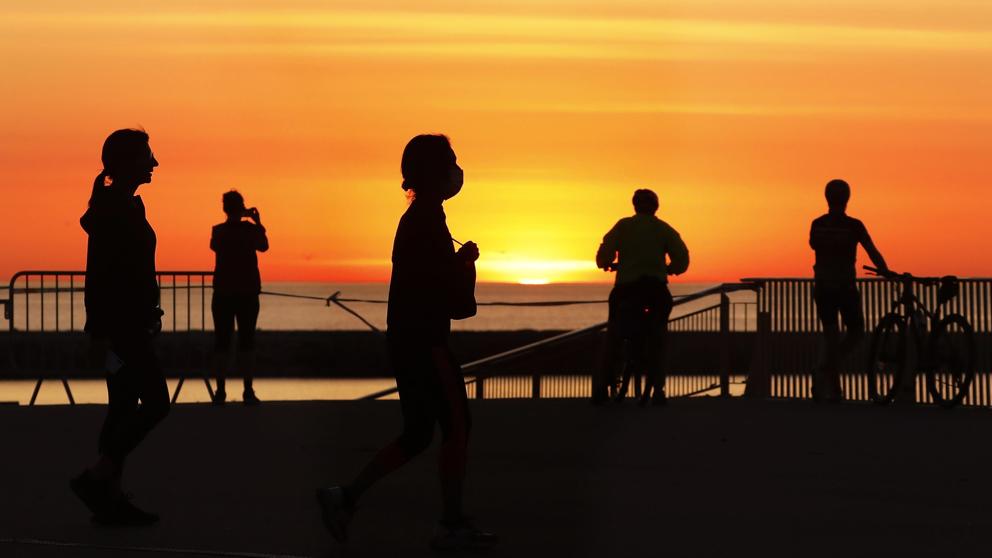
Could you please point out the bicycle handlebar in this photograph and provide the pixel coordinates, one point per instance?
(889, 274)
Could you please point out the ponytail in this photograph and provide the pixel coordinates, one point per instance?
(98, 186)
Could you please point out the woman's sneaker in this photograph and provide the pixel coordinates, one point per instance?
(94, 493)
(123, 513)
(461, 535)
(336, 510)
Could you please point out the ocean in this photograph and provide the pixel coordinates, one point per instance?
(189, 308)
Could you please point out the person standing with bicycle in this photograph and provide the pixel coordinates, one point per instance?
(834, 238)
(646, 251)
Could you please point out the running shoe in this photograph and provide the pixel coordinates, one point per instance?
(219, 398)
(123, 513)
(94, 493)
(461, 535)
(250, 398)
(336, 510)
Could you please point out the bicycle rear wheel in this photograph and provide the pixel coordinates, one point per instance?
(953, 353)
(887, 358)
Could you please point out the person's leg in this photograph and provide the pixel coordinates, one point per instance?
(657, 347)
(827, 311)
(854, 324)
(99, 485)
(223, 314)
(126, 425)
(455, 530)
(147, 380)
(609, 355)
(419, 403)
(247, 318)
(456, 422)
(122, 404)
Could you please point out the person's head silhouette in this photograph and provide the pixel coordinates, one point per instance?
(430, 169)
(234, 205)
(837, 193)
(128, 162)
(645, 201)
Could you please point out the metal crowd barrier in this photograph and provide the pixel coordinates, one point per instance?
(44, 303)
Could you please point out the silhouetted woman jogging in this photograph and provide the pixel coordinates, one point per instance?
(430, 285)
(122, 315)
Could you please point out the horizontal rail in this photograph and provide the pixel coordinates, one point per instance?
(582, 332)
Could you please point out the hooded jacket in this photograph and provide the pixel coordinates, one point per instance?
(122, 293)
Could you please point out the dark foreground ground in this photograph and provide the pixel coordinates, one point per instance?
(702, 477)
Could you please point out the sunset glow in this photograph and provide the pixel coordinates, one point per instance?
(736, 113)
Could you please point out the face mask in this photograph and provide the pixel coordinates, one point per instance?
(457, 179)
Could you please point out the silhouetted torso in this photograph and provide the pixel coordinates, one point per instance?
(121, 288)
(834, 238)
(423, 275)
(641, 242)
(236, 264)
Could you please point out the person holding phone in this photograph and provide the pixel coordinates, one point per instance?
(237, 284)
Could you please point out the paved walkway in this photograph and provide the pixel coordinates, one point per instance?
(702, 477)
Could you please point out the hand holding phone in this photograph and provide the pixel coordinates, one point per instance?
(252, 213)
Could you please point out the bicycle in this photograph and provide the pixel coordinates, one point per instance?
(634, 324)
(944, 344)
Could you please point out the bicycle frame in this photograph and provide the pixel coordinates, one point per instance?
(921, 322)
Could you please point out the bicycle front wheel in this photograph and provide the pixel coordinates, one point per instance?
(887, 358)
(953, 354)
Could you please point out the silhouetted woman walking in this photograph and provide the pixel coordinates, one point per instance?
(122, 314)
(430, 285)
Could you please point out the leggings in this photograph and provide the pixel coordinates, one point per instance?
(432, 391)
(139, 379)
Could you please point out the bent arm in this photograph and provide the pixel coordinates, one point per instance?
(608, 249)
(873, 253)
(678, 253)
(261, 241)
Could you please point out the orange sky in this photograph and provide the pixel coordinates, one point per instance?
(736, 113)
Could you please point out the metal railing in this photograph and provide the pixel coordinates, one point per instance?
(789, 335)
(52, 302)
(539, 384)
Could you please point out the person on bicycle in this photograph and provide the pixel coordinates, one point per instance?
(646, 251)
(834, 238)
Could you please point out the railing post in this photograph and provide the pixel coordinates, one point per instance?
(758, 378)
(480, 393)
(535, 386)
(725, 341)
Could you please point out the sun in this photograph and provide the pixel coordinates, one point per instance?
(534, 281)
